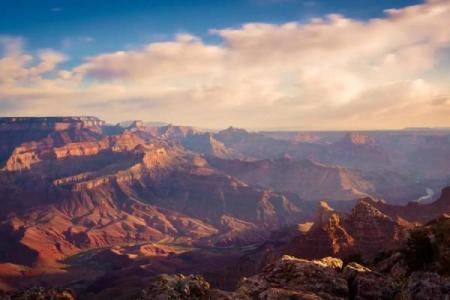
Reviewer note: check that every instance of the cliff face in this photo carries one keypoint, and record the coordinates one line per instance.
(25, 140)
(77, 189)
(49, 123)
(372, 230)
(365, 231)
(326, 237)
(68, 144)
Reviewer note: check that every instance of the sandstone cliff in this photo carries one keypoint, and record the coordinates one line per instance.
(365, 231)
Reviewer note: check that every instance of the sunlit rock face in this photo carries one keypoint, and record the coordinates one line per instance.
(364, 231)
(77, 188)
(23, 140)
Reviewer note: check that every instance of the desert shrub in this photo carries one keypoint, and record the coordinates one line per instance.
(441, 233)
(354, 257)
(419, 251)
(381, 256)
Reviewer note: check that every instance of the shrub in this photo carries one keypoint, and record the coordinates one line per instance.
(419, 251)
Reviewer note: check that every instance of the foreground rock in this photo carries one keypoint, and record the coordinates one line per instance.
(418, 270)
(288, 278)
(294, 277)
(176, 287)
(39, 293)
(427, 286)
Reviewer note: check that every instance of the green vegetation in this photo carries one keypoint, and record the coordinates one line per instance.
(419, 250)
(428, 248)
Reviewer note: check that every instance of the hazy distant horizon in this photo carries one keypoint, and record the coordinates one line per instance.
(261, 129)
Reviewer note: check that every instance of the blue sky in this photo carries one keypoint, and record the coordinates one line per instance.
(260, 64)
(84, 27)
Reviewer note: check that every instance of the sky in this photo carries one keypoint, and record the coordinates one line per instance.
(258, 64)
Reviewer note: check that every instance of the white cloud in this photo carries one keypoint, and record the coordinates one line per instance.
(20, 68)
(332, 72)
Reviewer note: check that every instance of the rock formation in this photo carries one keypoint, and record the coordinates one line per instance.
(38, 293)
(414, 212)
(389, 277)
(365, 231)
(105, 208)
(309, 179)
(91, 190)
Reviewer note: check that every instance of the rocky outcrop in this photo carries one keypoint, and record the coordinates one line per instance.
(389, 276)
(288, 278)
(294, 277)
(363, 283)
(365, 231)
(177, 287)
(327, 278)
(325, 238)
(426, 286)
(372, 230)
(39, 293)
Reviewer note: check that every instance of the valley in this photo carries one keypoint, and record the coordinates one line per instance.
(102, 209)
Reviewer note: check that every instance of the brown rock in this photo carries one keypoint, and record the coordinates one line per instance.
(300, 277)
(176, 287)
(427, 286)
(364, 283)
(39, 293)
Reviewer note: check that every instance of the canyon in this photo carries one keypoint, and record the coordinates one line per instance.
(104, 209)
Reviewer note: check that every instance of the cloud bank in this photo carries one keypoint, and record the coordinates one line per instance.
(329, 73)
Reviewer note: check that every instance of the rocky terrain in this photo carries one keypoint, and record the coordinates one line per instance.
(363, 232)
(416, 269)
(103, 209)
(78, 189)
(388, 160)
(415, 212)
(318, 182)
